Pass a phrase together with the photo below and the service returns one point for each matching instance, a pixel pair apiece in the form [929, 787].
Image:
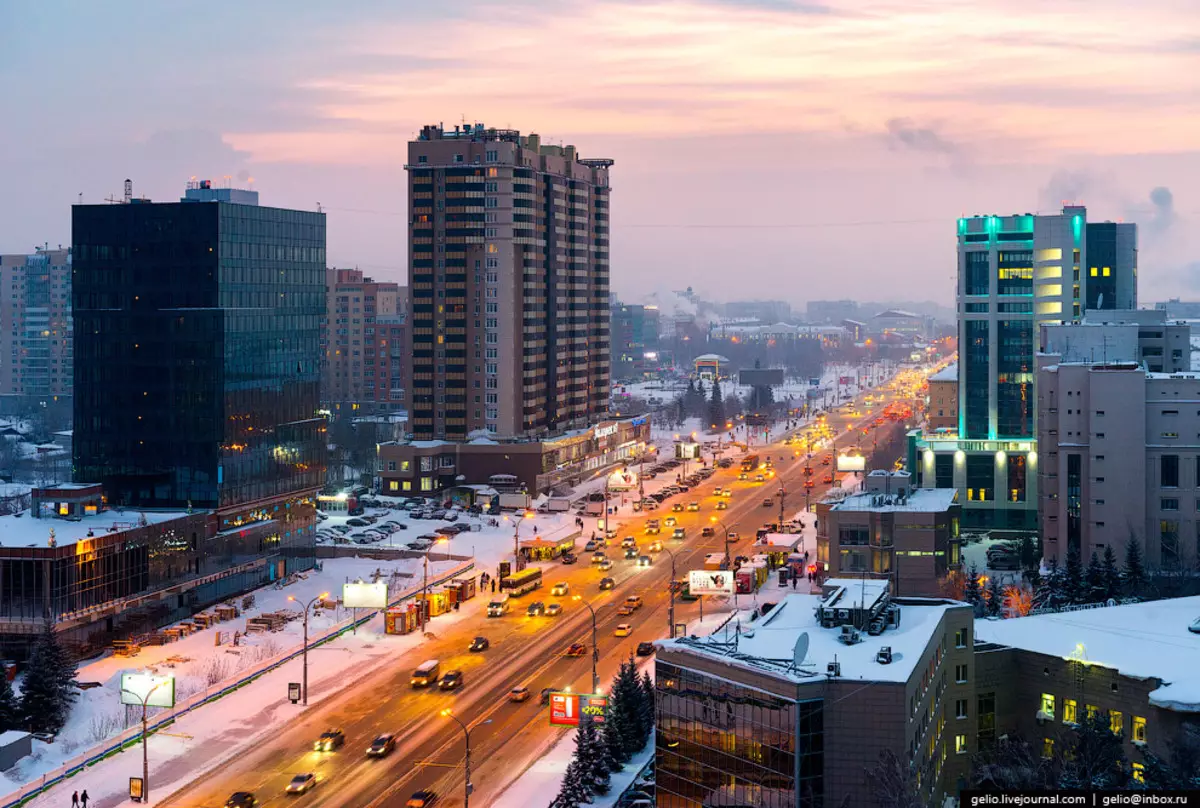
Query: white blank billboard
[365, 596]
[851, 463]
[135, 687]
[710, 582]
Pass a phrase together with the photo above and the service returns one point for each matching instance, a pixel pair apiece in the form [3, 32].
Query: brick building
[362, 343]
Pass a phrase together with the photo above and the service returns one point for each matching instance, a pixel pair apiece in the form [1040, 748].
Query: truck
[557, 505]
[714, 562]
[514, 502]
[498, 606]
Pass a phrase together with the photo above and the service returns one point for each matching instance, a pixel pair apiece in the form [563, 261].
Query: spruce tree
[716, 408]
[971, 591]
[995, 597]
[10, 709]
[1028, 553]
[1133, 577]
[615, 734]
[1097, 757]
[1073, 576]
[573, 791]
[48, 689]
[592, 757]
[1112, 575]
[649, 693]
[1094, 580]
[1051, 589]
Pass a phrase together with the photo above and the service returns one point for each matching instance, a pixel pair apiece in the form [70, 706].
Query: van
[498, 607]
[427, 674]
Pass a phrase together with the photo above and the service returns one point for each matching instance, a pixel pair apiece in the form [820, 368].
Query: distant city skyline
[794, 146]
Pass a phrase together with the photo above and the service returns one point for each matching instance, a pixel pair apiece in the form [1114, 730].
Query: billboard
[845, 379]
[710, 582]
[687, 451]
[851, 463]
[566, 708]
[762, 377]
[154, 690]
[365, 596]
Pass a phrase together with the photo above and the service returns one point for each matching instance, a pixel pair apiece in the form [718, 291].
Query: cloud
[1067, 185]
[903, 133]
[1163, 216]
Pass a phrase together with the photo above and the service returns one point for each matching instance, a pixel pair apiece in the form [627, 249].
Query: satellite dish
[800, 651]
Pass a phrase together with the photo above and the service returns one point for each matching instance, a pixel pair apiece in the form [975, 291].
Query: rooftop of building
[22, 530]
[1141, 640]
[768, 644]
[920, 500]
[946, 374]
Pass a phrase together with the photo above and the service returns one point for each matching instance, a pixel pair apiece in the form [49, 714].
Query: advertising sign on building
[851, 463]
[687, 451]
[710, 582]
[566, 708]
[365, 596]
[148, 688]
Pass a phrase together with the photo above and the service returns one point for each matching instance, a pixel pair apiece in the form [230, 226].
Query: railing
[1082, 607]
[167, 717]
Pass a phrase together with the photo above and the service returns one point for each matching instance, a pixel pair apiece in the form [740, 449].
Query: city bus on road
[750, 463]
[522, 582]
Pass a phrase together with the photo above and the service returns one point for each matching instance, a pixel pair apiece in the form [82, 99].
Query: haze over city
[797, 146]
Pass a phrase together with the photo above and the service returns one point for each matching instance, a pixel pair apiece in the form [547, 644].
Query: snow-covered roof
[920, 500]
[12, 736]
[710, 357]
[946, 374]
[767, 644]
[1142, 640]
[25, 531]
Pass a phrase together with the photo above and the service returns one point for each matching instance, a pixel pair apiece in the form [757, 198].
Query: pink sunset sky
[798, 150]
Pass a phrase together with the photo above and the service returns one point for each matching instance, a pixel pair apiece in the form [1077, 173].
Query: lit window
[1116, 722]
[1139, 729]
[960, 744]
[960, 638]
[1047, 748]
[1070, 711]
[1092, 712]
[1107, 272]
[1139, 772]
[1095, 272]
[406, 485]
[1048, 704]
[393, 485]
[426, 483]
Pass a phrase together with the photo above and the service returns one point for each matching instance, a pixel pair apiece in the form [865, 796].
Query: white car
[560, 589]
[623, 630]
[301, 783]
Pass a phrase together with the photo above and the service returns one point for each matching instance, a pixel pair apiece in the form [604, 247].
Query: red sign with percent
[566, 708]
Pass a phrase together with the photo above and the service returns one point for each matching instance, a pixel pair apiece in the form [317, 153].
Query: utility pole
[671, 602]
[595, 647]
[304, 653]
[145, 754]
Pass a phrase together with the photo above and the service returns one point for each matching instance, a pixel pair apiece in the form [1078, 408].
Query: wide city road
[506, 736]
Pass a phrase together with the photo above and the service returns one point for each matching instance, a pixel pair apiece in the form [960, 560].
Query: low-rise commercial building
[796, 707]
[891, 531]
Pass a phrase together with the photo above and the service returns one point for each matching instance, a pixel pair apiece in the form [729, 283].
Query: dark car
[546, 691]
[329, 740]
[645, 648]
[382, 746]
[606, 584]
[536, 609]
[479, 644]
[451, 680]
[569, 558]
[241, 799]
[631, 552]
[422, 799]
[577, 649]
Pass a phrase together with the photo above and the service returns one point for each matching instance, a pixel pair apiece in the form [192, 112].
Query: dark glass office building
[197, 351]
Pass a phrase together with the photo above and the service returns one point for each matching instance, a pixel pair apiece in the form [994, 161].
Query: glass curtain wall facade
[722, 744]
[1014, 380]
[197, 360]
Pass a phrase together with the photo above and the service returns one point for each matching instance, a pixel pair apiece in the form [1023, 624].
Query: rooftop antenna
[128, 190]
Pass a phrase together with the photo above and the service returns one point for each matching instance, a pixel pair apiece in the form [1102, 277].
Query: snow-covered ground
[203, 662]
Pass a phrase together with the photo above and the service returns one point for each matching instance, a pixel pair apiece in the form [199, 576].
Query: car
[330, 739]
[635, 601]
[678, 533]
[422, 799]
[357, 522]
[576, 649]
[590, 547]
[722, 505]
[630, 553]
[828, 478]
[808, 471]
[519, 694]
[629, 541]
[644, 561]
[670, 521]
[809, 483]
[743, 476]
[598, 557]
[622, 630]
[554, 610]
[693, 507]
[677, 507]
[625, 610]
[768, 503]
[606, 584]
[707, 531]
[732, 536]
[645, 648]
[479, 644]
[536, 609]
[301, 783]
[606, 565]
[655, 547]
[382, 746]
[826, 460]
[653, 529]
[569, 558]
[451, 680]
[760, 478]
[241, 799]
[559, 589]
[545, 695]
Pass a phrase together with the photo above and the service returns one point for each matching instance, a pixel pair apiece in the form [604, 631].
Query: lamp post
[304, 653]
[595, 648]
[467, 787]
[517, 539]
[782, 498]
[671, 602]
[145, 754]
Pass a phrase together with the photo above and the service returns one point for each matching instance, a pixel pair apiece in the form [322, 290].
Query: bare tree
[894, 783]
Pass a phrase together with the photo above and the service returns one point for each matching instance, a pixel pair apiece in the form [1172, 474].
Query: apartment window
[422, 158]
[1139, 729]
[1169, 471]
[393, 485]
[1168, 537]
[1048, 704]
[458, 158]
[1116, 722]
[1139, 772]
[960, 638]
[426, 483]
[391, 465]
[960, 674]
[1099, 434]
[960, 744]
[406, 485]
[960, 708]
[405, 465]
[491, 157]
[1092, 711]
[426, 464]
[1070, 711]
[1047, 748]
[1168, 504]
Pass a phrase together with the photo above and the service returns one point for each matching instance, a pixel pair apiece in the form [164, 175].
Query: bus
[524, 581]
[750, 463]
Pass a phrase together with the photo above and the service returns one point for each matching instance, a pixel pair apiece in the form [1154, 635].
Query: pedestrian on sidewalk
[493, 587]
[83, 798]
[75, 800]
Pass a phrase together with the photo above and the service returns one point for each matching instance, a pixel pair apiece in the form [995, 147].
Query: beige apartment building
[941, 410]
[509, 283]
[362, 347]
[36, 351]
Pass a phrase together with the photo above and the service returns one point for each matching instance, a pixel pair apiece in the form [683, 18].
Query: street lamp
[717, 521]
[671, 604]
[595, 648]
[307, 607]
[145, 754]
[467, 787]
[516, 539]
